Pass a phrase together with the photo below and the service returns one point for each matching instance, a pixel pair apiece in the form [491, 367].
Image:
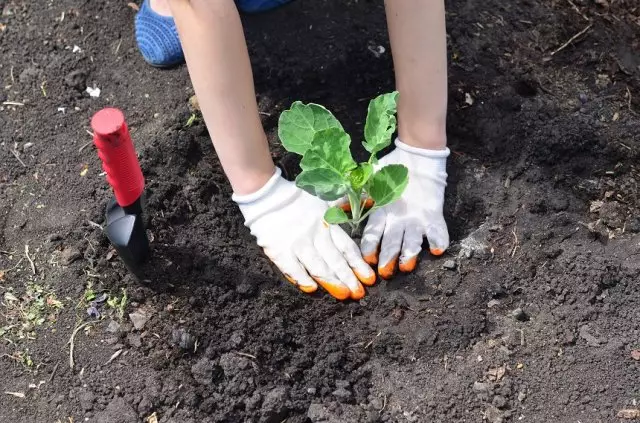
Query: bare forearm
[216, 54]
[418, 43]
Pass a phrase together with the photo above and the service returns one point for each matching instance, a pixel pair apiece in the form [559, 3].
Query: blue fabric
[254, 6]
[157, 35]
[157, 38]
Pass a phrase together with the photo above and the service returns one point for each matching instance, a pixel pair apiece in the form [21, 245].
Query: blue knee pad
[157, 36]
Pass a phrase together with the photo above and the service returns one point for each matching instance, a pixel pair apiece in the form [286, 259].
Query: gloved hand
[288, 223]
[418, 213]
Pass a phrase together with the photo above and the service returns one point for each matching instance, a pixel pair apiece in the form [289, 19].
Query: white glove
[418, 213]
[288, 224]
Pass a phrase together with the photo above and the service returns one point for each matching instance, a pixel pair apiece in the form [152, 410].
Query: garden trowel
[124, 221]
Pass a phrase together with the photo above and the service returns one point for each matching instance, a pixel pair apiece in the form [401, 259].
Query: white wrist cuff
[250, 198]
[435, 154]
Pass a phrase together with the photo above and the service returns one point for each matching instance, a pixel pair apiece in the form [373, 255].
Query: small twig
[371, 342]
[515, 243]
[26, 253]
[114, 356]
[629, 102]
[13, 81]
[253, 357]
[384, 404]
[94, 224]
[15, 154]
[118, 47]
[71, 342]
[53, 373]
[85, 146]
[12, 103]
[572, 39]
[578, 10]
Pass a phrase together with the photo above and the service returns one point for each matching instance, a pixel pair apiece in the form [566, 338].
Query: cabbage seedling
[328, 169]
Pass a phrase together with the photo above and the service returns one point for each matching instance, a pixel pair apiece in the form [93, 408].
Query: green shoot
[328, 169]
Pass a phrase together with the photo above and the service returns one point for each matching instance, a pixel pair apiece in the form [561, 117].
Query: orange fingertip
[339, 292]
[437, 251]
[409, 264]
[359, 293]
[371, 259]
[387, 271]
[367, 280]
[303, 288]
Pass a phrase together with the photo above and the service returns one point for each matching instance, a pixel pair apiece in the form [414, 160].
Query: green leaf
[329, 150]
[326, 184]
[381, 122]
[335, 215]
[360, 176]
[387, 184]
[298, 126]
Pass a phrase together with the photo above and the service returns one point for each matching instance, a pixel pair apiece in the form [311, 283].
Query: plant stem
[365, 215]
[356, 206]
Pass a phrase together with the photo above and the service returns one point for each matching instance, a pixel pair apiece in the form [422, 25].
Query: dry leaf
[519, 365]
[595, 206]
[84, 170]
[152, 418]
[2, 27]
[616, 116]
[133, 6]
[1, 275]
[635, 354]
[15, 394]
[630, 413]
[497, 374]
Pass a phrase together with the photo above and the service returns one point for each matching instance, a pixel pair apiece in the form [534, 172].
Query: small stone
[118, 411]
[253, 402]
[586, 399]
[139, 318]
[69, 255]
[134, 340]
[583, 98]
[183, 339]
[634, 225]
[342, 384]
[521, 396]
[499, 401]
[274, 407]
[145, 406]
[86, 398]
[114, 327]
[519, 315]
[635, 354]
[493, 303]
[481, 387]
[311, 391]
[27, 146]
[54, 238]
[342, 394]
[449, 264]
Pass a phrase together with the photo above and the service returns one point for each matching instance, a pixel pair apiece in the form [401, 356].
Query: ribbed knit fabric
[157, 36]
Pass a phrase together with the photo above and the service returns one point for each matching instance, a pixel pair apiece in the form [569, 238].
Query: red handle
[119, 159]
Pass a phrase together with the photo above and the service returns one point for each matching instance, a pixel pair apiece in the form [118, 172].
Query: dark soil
[543, 207]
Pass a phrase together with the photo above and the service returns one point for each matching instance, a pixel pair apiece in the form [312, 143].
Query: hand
[418, 213]
[288, 223]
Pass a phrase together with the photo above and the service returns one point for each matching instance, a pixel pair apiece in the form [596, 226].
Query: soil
[533, 314]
